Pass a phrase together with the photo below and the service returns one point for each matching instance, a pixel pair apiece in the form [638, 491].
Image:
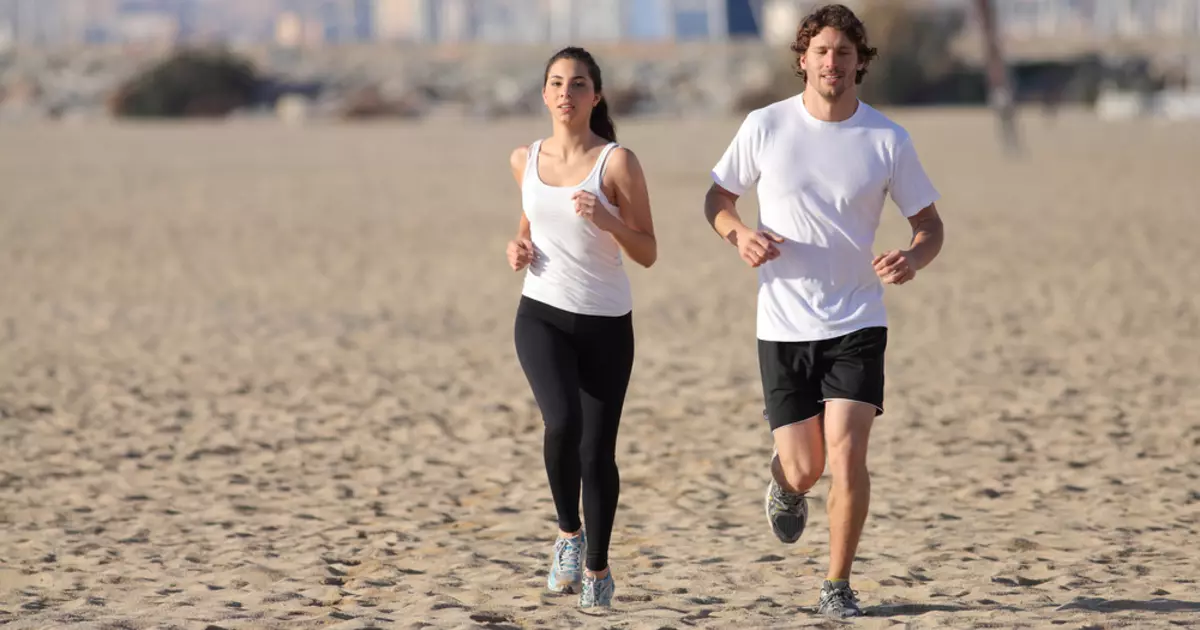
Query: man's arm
[928, 234]
[755, 247]
[900, 266]
[720, 208]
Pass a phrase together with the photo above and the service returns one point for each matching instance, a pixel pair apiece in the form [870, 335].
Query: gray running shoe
[566, 569]
[786, 512]
[838, 602]
[597, 592]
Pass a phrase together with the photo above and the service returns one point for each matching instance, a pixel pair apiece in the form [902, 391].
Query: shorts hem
[878, 408]
[878, 412]
[788, 424]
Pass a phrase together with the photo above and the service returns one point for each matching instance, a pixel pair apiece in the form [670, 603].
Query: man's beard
[831, 92]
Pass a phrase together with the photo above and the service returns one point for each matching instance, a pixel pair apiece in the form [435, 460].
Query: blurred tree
[188, 83]
[915, 51]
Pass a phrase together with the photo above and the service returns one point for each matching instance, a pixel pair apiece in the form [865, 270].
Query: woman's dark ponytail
[601, 122]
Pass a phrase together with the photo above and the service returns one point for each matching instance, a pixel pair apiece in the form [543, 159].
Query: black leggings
[578, 367]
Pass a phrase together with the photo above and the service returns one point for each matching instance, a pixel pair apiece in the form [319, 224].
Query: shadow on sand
[1086, 604]
[910, 610]
[1097, 604]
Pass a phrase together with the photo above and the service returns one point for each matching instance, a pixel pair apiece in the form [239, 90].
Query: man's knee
[847, 437]
[801, 473]
[848, 468]
[850, 478]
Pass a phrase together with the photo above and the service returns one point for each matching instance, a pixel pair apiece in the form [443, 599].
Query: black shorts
[799, 376]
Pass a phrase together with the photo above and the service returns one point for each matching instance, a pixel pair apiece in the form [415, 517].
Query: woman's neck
[567, 141]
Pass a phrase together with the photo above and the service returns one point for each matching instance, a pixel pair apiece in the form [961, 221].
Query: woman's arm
[635, 231]
[520, 250]
[517, 161]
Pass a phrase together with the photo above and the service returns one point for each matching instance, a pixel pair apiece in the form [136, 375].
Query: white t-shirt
[822, 186]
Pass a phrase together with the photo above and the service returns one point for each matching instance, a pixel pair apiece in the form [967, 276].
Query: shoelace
[841, 598]
[564, 556]
[592, 588]
[789, 500]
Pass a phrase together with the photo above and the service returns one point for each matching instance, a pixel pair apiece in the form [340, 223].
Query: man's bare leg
[801, 455]
[798, 464]
[847, 431]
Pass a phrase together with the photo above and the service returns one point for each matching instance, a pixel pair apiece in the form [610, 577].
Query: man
[824, 162]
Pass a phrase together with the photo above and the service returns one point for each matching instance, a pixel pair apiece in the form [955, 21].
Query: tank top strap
[531, 160]
[602, 162]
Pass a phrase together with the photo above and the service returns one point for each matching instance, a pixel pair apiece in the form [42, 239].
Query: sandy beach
[254, 376]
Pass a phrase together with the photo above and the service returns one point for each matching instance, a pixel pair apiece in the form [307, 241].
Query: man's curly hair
[843, 19]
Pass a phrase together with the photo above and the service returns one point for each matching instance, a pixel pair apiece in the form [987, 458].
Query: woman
[584, 202]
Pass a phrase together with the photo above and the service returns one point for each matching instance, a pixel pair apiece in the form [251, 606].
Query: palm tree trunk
[1000, 89]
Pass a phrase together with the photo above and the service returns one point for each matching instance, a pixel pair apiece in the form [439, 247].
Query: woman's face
[569, 92]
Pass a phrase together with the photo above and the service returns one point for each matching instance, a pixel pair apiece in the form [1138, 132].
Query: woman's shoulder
[622, 161]
[520, 154]
[520, 157]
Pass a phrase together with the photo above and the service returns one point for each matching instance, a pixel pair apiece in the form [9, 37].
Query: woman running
[584, 202]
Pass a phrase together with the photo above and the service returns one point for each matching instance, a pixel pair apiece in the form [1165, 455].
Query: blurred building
[289, 30]
[561, 21]
[1098, 18]
[400, 20]
[304, 22]
[363, 12]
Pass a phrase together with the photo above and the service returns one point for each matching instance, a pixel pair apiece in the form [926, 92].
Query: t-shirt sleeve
[910, 186]
[739, 168]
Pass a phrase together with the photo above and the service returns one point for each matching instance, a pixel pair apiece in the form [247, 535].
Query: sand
[263, 377]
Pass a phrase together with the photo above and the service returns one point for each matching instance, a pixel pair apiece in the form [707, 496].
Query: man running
[824, 162]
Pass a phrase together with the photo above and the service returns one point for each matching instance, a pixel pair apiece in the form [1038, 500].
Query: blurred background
[79, 59]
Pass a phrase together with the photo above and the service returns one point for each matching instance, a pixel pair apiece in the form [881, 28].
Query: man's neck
[831, 111]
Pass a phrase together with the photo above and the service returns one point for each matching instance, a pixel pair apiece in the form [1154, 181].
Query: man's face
[830, 63]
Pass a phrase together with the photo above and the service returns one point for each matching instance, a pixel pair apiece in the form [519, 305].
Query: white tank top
[578, 266]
